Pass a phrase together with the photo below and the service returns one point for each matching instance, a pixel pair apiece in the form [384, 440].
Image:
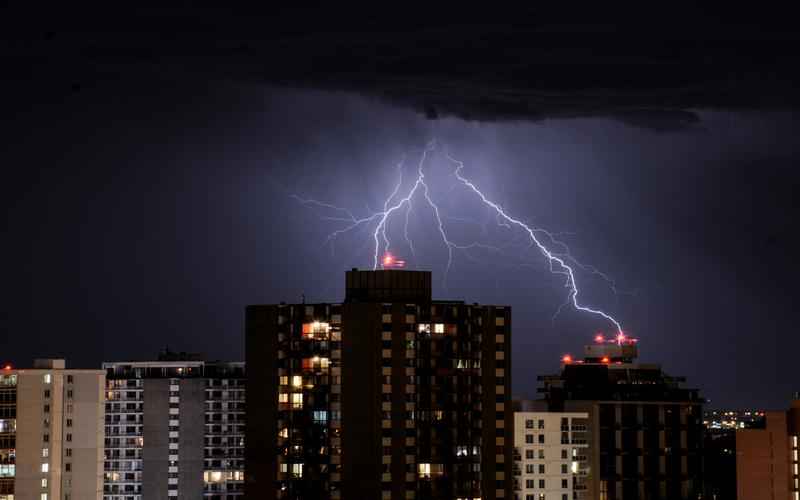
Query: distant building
[646, 428]
[767, 459]
[51, 432]
[174, 429]
[551, 459]
[389, 394]
[719, 448]
[730, 420]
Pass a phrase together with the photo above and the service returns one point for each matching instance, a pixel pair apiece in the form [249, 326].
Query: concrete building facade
[389, 394]
[551, 459]
[646, 427]
[767, 459]
[51, 432]
[174, 429]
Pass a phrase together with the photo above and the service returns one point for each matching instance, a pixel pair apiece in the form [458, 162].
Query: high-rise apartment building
[768, 459]
[174, 429]
[51, 432]
[646, 428]
[389, 394]
[550, 453]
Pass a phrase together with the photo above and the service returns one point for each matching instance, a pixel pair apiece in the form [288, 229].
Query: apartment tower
[551, 459]
[389, 394]
[51, 432]
[174, 429]
[646, 428]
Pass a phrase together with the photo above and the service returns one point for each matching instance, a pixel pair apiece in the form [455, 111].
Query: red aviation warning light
[599, 338]
[566, 359]
[389, 261]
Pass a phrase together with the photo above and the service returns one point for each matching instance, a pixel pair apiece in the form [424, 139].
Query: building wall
[541, 455]
[191, 437]
[59, 434]
[262, 403]
[155, 431]
[793, 421]
[83, 420]
[762, 460]
[362, 450]
[174, 430]
[380, 385]
[31, 432]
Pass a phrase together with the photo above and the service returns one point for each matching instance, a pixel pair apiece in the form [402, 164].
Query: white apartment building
[550, 455]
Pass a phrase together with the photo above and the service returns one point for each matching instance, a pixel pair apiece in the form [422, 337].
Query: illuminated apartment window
[47, 378]
[297, 401]
[424, 328]
[297, 470]
[426, 471]
[283, 397]
[284, 380]
[297, 380]
[212, 476]
[438, 328]
[45, 467]
[316, 330]
[44, 482]
[45, 452]
[43, 496]
[284, 433]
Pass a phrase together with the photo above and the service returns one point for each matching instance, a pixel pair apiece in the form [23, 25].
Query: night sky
[149, 158]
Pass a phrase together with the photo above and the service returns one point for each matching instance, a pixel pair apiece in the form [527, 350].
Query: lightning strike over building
[557, 254]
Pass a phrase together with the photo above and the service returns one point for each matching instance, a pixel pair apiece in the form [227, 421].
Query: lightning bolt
[560, 260]
[558, 263]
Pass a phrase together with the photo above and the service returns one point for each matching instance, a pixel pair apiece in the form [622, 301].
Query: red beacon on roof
[389, 261]
[566, 358]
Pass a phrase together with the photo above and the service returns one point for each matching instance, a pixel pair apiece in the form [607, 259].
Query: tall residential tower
[646, 428]
[174, 429]
[51, 432]
[389, 394]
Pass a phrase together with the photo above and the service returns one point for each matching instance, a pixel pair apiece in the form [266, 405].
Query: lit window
[284, 380]
[316, 330]
[297, 400]
[320, 416]
[43, 496]
[284, 433]
[44, 482]
[424, 470]
[297, 470]
[45, 452]
[574, 467]
[297, 380]
[284, 468]
[47, 378]
[283, 397]
[424, 328]
[214, 476]
[438, 328]
[45, 467]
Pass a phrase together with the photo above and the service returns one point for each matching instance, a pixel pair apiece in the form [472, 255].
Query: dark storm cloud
[645, 67]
